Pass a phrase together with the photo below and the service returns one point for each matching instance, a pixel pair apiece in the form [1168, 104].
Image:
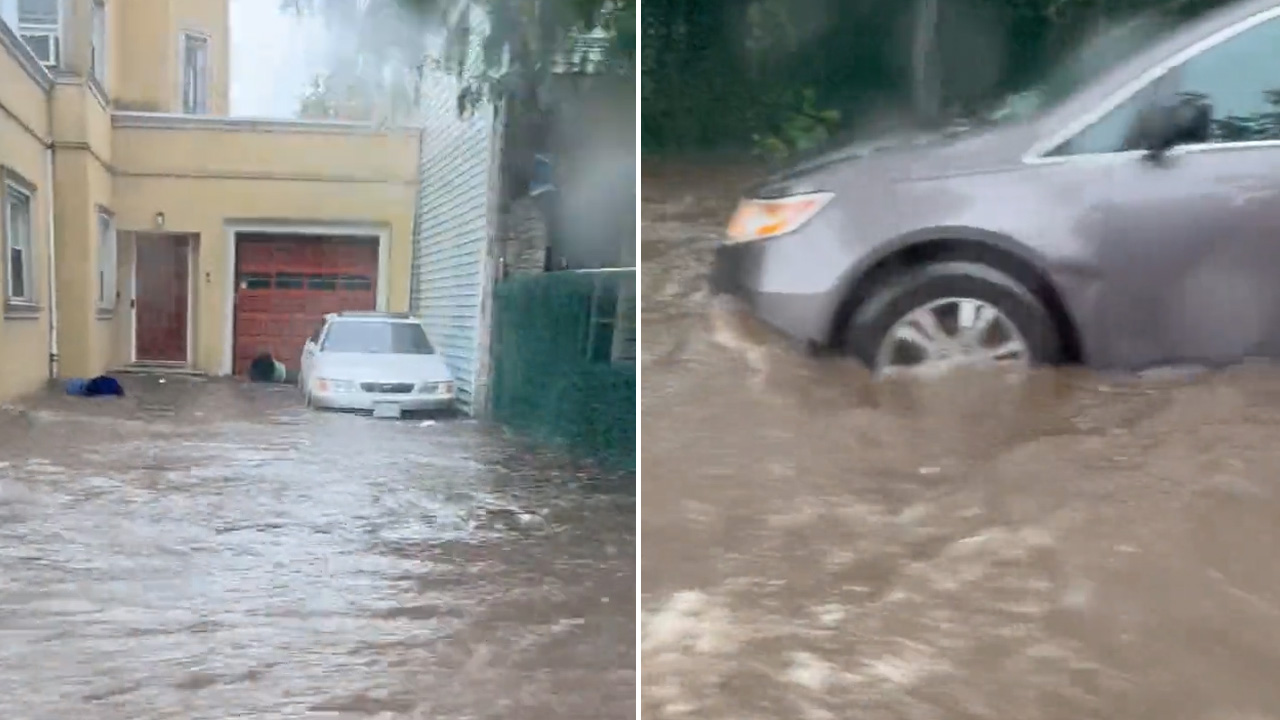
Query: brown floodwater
[213, 550]
[1072, 545]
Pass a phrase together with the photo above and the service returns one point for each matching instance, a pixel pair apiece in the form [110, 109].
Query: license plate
[386, 410]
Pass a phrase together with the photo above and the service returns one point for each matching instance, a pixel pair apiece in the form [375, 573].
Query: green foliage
[517, 53]
[801, 126]
[339, 96]
[319, 102]
[773, 76]
[552, 376]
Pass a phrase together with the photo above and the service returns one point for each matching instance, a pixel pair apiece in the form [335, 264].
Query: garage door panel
[287, 283]
[255, 256]
[250, 302]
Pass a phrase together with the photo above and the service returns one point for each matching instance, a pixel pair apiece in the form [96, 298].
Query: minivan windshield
[1096, 55]
[379, 338]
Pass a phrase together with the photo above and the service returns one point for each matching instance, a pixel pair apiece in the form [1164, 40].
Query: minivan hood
[909, 155]
[379, 367]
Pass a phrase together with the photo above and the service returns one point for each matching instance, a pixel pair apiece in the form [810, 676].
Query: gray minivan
[1126, 219]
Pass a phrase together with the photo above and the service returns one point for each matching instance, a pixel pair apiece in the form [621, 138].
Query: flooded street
[212, 550]
[1074, 546]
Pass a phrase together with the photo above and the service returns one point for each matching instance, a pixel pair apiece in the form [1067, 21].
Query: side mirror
[1163, 126]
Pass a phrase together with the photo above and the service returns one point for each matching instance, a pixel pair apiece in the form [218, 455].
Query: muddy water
[1072, 546]
[210, 550]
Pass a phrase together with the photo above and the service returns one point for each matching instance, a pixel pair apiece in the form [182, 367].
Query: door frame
[133, 297]
[193, 265]
[190, 244]
[233, 228]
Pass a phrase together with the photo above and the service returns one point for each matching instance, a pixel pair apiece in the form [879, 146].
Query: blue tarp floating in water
[94, 387]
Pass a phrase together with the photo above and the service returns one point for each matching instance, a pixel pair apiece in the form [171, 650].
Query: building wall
[204, 174]
[83, 183]
[142, 78]
[212, 18]
[24, 139]
[207, 174]
[147, 74]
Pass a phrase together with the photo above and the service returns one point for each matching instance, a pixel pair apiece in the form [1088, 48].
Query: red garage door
[286, 283]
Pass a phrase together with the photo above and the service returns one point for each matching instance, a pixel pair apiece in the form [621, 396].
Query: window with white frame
[195, 74]
[40, 26]
[98, 55]
[106, 260]
[17, 243]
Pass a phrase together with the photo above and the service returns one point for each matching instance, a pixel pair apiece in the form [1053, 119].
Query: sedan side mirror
[1164, 126]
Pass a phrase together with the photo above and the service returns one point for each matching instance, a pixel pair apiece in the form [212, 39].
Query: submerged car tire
[922, 286]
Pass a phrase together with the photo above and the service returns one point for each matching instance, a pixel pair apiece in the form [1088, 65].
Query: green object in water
[266, 368]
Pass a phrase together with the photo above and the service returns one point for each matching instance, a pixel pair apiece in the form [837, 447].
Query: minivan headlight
[435, 387]
[757, 219]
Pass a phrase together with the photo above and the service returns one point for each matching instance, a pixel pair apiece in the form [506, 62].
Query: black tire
[905, 292]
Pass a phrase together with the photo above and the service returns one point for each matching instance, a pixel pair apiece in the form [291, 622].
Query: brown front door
[161, 318]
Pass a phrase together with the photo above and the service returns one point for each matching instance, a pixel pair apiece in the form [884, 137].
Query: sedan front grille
[377, 387]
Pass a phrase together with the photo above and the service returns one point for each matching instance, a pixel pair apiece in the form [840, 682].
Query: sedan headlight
[762, 219]
[435, 387]
[326, 385]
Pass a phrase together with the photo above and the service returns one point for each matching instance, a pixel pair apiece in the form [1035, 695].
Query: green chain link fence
[564, 366]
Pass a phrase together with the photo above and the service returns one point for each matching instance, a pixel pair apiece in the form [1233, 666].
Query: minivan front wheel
[945, 315]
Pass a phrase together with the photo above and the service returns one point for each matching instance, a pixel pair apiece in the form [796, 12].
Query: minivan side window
[1240, 78]
[1112, 132]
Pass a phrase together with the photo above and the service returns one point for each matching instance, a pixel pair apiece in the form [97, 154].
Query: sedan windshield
[381, 338]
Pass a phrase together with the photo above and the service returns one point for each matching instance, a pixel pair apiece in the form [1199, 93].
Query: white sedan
[374, 362]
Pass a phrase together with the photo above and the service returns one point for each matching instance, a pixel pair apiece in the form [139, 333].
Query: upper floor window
[98, 53]
[1239, 78]
[40, 26]
[195, 74]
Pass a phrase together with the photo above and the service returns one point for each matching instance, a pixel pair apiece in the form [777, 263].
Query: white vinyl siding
[453, 254]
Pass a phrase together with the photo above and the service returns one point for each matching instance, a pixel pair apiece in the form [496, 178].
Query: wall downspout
[53, 268]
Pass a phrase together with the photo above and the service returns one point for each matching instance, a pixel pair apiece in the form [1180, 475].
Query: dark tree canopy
[775, 76]
[523, 40]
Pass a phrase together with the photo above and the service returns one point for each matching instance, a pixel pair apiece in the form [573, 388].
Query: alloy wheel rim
[949, 333]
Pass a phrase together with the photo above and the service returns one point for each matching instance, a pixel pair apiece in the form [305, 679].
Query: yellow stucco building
[143, 225]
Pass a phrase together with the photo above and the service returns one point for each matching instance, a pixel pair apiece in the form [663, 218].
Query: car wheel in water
[951, 314]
